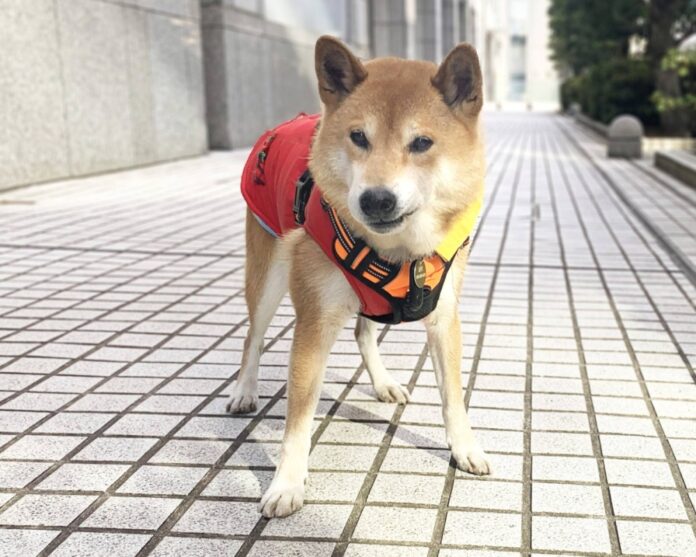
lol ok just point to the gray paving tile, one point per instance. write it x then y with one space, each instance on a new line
570 534
15 475
41 447
566 498
25 542
115 448
656 538
399 488
217 517
395 524
163 480
479 528
195 547
83 477
88 544
132 513
319 521
45 510
190 451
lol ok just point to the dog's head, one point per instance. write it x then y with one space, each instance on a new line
399 152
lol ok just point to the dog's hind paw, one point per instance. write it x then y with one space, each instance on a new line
242 400
472 459
392 392
281 499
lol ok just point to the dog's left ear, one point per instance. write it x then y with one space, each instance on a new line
459 80
338 70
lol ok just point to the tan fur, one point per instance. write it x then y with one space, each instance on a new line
393 101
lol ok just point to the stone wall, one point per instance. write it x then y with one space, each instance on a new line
258 72
88 86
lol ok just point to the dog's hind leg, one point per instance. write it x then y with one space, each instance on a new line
387 388
266 278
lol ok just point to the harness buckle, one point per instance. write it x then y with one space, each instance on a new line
416 276
303 189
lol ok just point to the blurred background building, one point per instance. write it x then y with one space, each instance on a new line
94 85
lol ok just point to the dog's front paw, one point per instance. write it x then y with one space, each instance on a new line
392 392
282 498
243 399
471 458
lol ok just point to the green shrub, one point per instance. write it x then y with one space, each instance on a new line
613 87
684 65
570 91
617 87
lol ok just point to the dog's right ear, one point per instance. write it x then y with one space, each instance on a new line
338 70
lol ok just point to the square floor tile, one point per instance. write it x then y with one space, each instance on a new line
269 548
570 534
24 542
172 546
341 457
431 461
648 503
638 472
89 544
39 401
83 477
74 422
116 448
217 428
401 488
564 468
156 425
382 550
333 486
218 517
46 510
132 513
17 422
567 498
313 521
395 524
165 480
479 528
486 494
546 442
256 454
103 403
239 483
191 451
15 475
41 447
656 538
175 404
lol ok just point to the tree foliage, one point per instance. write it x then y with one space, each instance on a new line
586 32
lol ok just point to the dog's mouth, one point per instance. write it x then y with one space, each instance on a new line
385 226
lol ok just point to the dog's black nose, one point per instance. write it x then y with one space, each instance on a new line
378 203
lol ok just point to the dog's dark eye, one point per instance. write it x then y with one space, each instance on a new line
420 145
358 138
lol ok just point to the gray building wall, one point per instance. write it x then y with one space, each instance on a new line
93 85
259 71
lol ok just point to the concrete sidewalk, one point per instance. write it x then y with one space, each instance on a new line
122 319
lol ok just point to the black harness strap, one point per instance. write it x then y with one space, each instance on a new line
303 189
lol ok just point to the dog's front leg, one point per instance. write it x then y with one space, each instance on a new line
445 344
311 345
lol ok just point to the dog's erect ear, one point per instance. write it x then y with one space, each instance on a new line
459 80
338 71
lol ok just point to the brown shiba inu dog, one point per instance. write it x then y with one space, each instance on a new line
397 158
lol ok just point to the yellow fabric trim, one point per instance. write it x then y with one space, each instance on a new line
461 229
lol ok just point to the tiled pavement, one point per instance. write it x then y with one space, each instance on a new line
122 321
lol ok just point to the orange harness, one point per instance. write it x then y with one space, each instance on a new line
278 189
